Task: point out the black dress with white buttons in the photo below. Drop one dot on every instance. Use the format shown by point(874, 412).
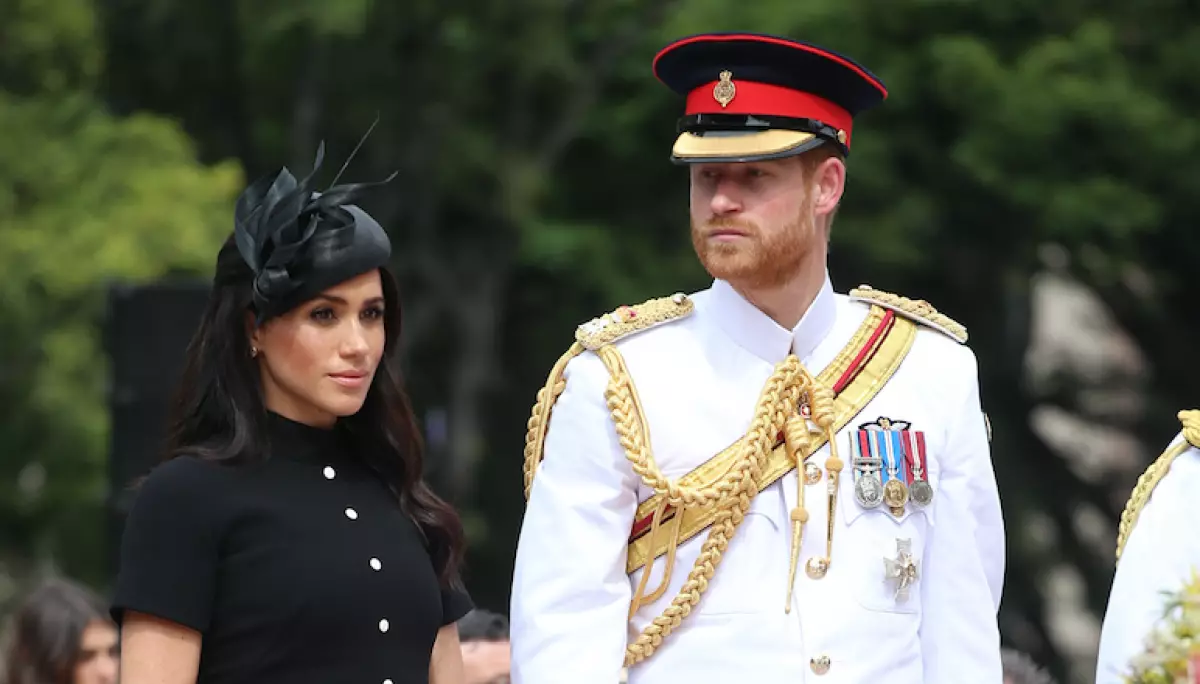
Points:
point(298, 569)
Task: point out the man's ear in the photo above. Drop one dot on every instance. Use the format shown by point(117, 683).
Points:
point(829, 182)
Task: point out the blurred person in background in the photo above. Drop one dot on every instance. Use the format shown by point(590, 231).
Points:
point(60, 634)
point(1158, 551)
point(1019, 668)
point(289, 537)
point(765, 481)
point(485, 647)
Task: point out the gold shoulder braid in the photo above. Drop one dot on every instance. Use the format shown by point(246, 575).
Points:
point(731, 494)
point(790, 399)
point(593, 335)
point(917, 309)
point(1153, 474)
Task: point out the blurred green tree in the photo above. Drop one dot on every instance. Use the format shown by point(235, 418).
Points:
point(86, 198)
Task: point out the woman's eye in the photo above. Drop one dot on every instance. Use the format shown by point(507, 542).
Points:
point(322, 314)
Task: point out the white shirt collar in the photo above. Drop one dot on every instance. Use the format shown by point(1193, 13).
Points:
point(760, 335)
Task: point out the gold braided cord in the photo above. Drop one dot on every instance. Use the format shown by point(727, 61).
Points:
point(1153, 475)
point(797, 441)
point(916, 308)
point(635, 439)
point(819, 401)
point(825, 416)
point(598, 332)
point(1191, 426)
point(875, 374)
point(539, 420)
point(640, 595)
point(732, 494)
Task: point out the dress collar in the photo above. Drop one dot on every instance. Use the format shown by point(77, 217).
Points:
point(296, 441)
point(759, 334)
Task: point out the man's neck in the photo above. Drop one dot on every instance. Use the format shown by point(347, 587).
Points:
point(787, 303)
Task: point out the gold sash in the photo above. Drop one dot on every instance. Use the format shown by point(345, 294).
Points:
point(872, 355)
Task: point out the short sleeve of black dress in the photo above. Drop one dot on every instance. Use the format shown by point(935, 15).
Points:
point(456, 603)
point(169, 547)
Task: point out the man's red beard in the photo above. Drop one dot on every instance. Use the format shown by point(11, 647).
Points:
point(755, 261)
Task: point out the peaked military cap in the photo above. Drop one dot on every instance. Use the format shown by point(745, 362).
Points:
point(752, 97)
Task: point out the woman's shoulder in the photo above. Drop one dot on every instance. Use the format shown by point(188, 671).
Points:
point(186, 472)
point(182, 482)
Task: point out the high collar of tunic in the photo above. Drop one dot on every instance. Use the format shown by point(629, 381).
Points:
point(295, 441)
point(759, 334)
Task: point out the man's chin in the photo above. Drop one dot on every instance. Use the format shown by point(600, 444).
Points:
point(729, 267)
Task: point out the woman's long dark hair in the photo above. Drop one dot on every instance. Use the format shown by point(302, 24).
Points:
point(219, 414)
point(46, 631)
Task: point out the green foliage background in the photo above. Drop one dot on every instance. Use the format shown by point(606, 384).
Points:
point(535, 192)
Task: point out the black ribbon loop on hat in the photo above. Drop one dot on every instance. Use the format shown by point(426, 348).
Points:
point(275, 222)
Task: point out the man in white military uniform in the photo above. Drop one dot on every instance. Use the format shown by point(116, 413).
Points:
point(687, 517)
point(1157, 550)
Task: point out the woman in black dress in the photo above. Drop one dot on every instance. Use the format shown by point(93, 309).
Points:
point(288, 537)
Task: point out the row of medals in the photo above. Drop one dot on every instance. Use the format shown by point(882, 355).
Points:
point(870, 491)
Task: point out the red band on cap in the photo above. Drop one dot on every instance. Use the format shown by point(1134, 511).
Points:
point(764, 99)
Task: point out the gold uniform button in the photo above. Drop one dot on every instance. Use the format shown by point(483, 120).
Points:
point(812, 473)
point(816, 567)
point(820, 664)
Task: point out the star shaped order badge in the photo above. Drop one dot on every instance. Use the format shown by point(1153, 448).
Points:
point(904, 570)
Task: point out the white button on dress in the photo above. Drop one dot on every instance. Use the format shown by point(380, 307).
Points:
point(375, 563)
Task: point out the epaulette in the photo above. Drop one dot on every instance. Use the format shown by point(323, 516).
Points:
point(627, 320)
point(1154, 474)
point(916, 309)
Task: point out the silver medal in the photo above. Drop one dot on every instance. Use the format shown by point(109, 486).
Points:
point(921, 493)
point(867, 490)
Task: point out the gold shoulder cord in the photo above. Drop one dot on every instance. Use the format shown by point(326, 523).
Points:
point(592, 336)
point(535, 429)
point(789, 387)
point(1155, 473)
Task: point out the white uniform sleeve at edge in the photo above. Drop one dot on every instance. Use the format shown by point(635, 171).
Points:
point(1159, 556)
point(570, 594)
point(965, 556)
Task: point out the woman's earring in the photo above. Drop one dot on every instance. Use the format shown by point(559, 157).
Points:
point(253, 351)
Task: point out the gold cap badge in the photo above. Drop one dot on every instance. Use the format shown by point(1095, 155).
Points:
point(725, 90)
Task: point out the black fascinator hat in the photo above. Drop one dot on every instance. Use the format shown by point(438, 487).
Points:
point(299, 242)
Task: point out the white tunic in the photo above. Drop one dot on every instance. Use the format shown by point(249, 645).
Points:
point(699, 379)
point(1160, 555)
